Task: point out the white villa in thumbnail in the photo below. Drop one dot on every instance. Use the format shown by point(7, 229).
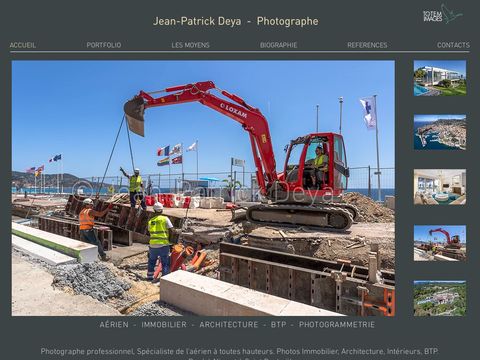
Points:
point(434, 75)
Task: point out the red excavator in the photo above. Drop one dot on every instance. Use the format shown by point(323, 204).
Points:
point(452, 242)
point(309, 190)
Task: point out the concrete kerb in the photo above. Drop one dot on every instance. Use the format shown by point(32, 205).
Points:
point(84, 252)
point(205, 296)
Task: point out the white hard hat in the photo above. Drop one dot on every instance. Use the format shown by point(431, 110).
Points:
point(137, 170)
point(88, 201)
point(157, 206)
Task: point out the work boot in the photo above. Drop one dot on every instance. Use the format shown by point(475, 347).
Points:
point(104, 258)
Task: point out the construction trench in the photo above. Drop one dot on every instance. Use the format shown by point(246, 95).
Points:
point(327, 272)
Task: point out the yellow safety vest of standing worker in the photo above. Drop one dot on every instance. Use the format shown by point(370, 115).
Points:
point(135, 183)
point(158, 229)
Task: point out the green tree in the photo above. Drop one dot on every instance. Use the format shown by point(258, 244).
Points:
point(419, 74)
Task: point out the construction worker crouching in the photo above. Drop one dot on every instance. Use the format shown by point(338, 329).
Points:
point(135, 188)
point(87, 221)
point(160, 229)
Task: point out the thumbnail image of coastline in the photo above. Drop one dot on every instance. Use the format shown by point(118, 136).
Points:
point(440, 132)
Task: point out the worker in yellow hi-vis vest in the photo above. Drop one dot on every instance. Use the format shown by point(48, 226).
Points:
point(135, 188)
point(321, 167)
point(160, 229)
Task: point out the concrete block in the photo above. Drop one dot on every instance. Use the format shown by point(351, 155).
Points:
point(50, 256)
point(390, 202)
point(439, 257)
point(205, 296)
point(83, 252)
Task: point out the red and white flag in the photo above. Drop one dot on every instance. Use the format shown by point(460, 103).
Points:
point(177, 149)
point(177, 160)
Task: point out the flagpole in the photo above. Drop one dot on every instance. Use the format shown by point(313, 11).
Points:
point(378, 156)
point(181, 154)
point(58, 178)
point(169, 174)
point(35, 177)
point(197, 159)
point(61, 170)
point(340, 99)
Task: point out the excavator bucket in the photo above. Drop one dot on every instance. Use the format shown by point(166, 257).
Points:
point(134, 110)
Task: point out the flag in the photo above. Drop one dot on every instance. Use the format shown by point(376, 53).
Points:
point(177, 160)
point(370, 113)
point(177, 149)
point(193, 147)
point(163, 151)
point(39, 170)
point(238, 162)
point(30, 170)
point(56, 158)
point(164, 162)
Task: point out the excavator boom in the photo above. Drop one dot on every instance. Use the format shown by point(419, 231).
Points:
point(251, 119)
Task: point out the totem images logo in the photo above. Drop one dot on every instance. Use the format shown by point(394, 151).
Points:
point(443, 15)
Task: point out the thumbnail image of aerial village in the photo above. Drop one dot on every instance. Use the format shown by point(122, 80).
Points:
point(440, 298)
point(439, 78)
point(439, 243)
point(440, 132)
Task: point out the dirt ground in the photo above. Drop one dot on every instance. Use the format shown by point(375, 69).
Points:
point(205, 227)
point(33, 295)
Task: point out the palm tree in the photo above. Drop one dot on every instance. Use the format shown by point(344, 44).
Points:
point(231, 184)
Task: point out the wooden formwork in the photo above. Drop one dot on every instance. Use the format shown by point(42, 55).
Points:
point(335, 286)
point(121, 216)
point(71, 229)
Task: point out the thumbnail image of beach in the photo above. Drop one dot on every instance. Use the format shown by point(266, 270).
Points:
point(440, 132)
point(439, 77)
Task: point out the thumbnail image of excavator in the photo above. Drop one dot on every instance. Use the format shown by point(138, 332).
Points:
point(303, 194)
point(453, 242)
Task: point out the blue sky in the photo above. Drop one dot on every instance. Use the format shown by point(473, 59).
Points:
point(455, 65)
point(75, 108)
point(435, 117)
point(421, 232)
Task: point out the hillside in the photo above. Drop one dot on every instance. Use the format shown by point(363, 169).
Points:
point(22, 179)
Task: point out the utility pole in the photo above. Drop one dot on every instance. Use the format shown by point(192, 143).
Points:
point(378, 156)
point(317, 119)
point(340, 99)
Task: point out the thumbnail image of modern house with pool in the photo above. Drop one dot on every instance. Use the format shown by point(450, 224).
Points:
point(440, 186)
point(439, 243)
point(440, 132)
point(440, 78)
point(440, 298)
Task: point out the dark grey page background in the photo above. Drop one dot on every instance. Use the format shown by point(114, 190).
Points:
point(65, 25)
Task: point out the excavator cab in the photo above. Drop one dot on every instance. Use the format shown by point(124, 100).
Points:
point(317, 164)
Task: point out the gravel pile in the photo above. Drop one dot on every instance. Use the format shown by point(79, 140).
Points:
point(370, 211)
point(95, 280)
point(157, 308)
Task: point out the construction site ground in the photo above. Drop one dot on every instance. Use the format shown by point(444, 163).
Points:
point(206, 227)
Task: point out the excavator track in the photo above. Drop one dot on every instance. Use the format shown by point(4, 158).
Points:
point(352, 209)
point(321, 217)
